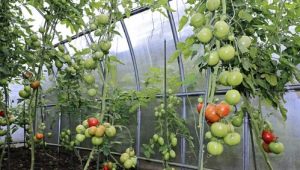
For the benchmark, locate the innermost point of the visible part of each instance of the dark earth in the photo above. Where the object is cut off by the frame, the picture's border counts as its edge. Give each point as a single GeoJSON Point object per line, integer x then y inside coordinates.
{"type": "Point", "coordinates": [46, 159]}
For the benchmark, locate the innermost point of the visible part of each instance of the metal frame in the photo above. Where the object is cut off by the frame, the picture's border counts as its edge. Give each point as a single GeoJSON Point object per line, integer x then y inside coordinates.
{"type": "Point", "coordinates": [138, 86]}
{"type": "Point", "coordinates": [182, 78]}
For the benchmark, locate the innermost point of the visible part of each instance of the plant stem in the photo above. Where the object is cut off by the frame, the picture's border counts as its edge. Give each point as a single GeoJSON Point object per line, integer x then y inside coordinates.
{"type": "Point", "coordinates": [89, 160]}
{"type": "Point", "coordinates": [8, 136]}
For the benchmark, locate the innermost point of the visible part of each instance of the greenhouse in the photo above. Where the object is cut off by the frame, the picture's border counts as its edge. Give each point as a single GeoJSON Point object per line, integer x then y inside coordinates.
{"type": "Point", "coordinates": [149, 84]}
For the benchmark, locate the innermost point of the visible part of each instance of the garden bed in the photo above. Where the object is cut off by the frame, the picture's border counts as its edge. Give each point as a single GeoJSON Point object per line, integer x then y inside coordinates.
{"type": "Point", "coordinates": [46, 159]}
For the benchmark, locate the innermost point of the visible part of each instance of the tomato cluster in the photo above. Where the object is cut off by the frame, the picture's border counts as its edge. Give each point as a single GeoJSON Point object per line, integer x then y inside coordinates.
{"type": "Point", "coordinates": [91, 128]}
{"type": "Point", "coordinates": [215, 112]}
{"type": "Point", "coordinates": [109, 166]}
{"type": "Point", "coordinates": [128, 158]}
{"type": "Point", "coordinates": [270, 143]}
{"type": "Point", "coordinates": [221, 133]}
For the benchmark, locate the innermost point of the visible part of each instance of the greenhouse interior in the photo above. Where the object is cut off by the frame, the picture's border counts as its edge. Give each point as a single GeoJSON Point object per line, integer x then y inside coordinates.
{"type": "Point", "coordinates": [149, 84]}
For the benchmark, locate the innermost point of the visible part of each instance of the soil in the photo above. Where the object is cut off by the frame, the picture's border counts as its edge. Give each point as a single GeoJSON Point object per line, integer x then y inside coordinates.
{"type": "Point", "coordinates": [46, 159]}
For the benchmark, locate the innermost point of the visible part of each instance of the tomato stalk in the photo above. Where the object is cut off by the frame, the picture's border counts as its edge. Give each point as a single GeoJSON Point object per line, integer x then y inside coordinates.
{"type": "Point", "coordinates": [8, 136]}
{"type": "Point", "coordinates": [256, 128]}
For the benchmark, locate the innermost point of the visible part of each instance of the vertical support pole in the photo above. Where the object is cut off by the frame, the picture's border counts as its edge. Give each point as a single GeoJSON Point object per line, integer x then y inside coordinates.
{"type": "Point", "coordinates": [246, 144]}
{"type": "Point", "coordinates": [202, 119]}
{"type": "Point", "coordinates": [138, 87]}
{"type": "Point", "coordinates": [183, 89]}
{"type": "Point", "coordinates": [252, 143]}
{"type": "Point", "coordinates": [165, 90]}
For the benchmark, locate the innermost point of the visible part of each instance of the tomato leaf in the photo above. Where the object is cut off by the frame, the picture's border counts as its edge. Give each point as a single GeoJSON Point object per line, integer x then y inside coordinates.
{"type": "Point", "coordinates": [184, 19]}
{"type": "Point", "coordinates": [244, 15]}
{"type": "Point", "coordinates": [174, 56]}
{"type": "Point", "coordinates": [271, 79]}
{"type": "Point", "coordinates": [283, 111]}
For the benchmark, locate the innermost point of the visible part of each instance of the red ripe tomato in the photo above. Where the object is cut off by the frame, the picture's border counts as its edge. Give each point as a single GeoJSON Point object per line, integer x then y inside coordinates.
{"type": "Point", "coordinates": [39, 136]}
{"type": "Point", "coordinates": [105, 167]}
{"type": "Point", "coordinates": [266, 147]}
{"type": "Point", "coordinates": [2, 113]}
{"type": "Point", "coordinates": [268, 136]}
{"type": "Point", "coordinates": [93, 121]}
{"type": "Point", "coordinates": [199, 107]}
{"type": "Point", "coordinates": [223, 109]}
{"type": "Point", "coordinates": [211, 113]}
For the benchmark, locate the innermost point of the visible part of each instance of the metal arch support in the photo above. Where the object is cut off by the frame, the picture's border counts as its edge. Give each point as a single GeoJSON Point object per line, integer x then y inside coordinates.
{"type": "Point", "coordinates": [138, 86]}
{"type": "Point", "coordinates": [182, 77]}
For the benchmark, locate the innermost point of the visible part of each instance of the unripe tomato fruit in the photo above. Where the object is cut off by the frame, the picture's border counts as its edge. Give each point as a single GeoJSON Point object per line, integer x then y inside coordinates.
{"type": "Point", "coordinates": [235, 78]}
{"type": "Point", "coordinates": [197, 20]}
{"type": "Point", "coordinates": [221, 29]}
{"type": "Point", "coordinates": [213, 58]}
{"type": "Point", "coordinates": [212, 5]}
{"type": "Point", "coordinates": [232, 97]}
{"type": "Point", "coordinates": [204, 35]}
{"type": "Point", "coordinates": [226, 53]}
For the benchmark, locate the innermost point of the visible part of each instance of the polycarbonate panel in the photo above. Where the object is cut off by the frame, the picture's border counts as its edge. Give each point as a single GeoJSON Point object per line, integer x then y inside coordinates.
{"type": "Point", "coordinates": [148, 31]}
{"type": "Point", "coordinates": [125, 73]}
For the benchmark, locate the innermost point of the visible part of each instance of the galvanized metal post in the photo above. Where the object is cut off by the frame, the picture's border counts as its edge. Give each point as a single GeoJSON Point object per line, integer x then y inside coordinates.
{"type": "Point", "coordinates": [246, 143]}
{"type": "Point", "coordinates": [183, 89]}
{"type": "Point", "coordinates": [138, 87]}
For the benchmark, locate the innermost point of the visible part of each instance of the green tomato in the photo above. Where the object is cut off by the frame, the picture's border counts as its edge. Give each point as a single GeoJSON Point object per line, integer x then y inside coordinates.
{"type": "Point", "coordinates": [23, 94]}
{"type": "Point", "coordinates": [197, 20]}
{"type": "Point", "coordinates": [98, 55]}
{"type": "Point", "coordinates": [276, 147]}
{"type": "Point", "coordinates": [166, 156]}
{"type": "Point", "coordinates": [212, 5]}
{"type": "Point", "coordinates": [124, 157]}
{"type": "Point", "coordinates": [34, 37]}
{"type": "Point", "coordinates": [80, 129]}
{"type": "Point", "coordinates": [97, 140]}
{"type": "Point", "coordinates": [208, 135]}
{"type": "Point", "coordinates": [221, 29]}
{"type": "Point", "coordinates": [67, 58]}
{"type": "Point", "coordinates": [61, 48]}
{"type": "Point", "coordinates": [226, 53]}
{"type": "Point", "coordinates": [90, 64]}
{"type": "Point", "coordinates": [85, 123]}
{"type": "Point", "coordinates": [174, 141]}
{"type": "Point", "coordinates": [58, 64]}
{"type": "Point", "coordinates": [232, 139]}
{"type": "Point", "coordinates": [215, 148]}
{"type": "Point", "coordinates": [92, 92]}
{"type": "Point", "coordinates": [27, 89]}
{"type": "Point", "coordinates": [110, 131]}
{"type": "Point", "coordinates": [234, 78]}
{"type": "Point", "coordinates": [102, 19]}
{"type": "Point", "coordinates": [237, 121]}
{"type": "Point", "coordinates": [89, 79]}
{"type": "Point", "coordinates": [232, 97]}
{"type": "Point", "coordinates": [204, 35]}
{"type": "Point", "coordinates": [219, 129]}
{"type": "Point", "coordinates": [172, 153]}
{"type": "Point", "coordinates": [105, 46]}
{"type": "Point", "coordinates": [213, 58]}
{"type": "Point", "coordinates": [244, 41]}
{"type": "Point", "coordinates": [128, 164]}
{"type": "Point", "coordinates": [80, 137]}
{"type": "Point", "coordinates": [155, 137]}
{"type": "Point", "coordinates": [161, 141]}
{"type": "Point", "coordinates": [223, 78]}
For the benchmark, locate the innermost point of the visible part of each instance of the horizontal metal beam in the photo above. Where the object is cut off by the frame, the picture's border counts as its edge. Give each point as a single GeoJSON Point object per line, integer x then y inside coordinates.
{"type": "Point", "coordinates": [80, 34]}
